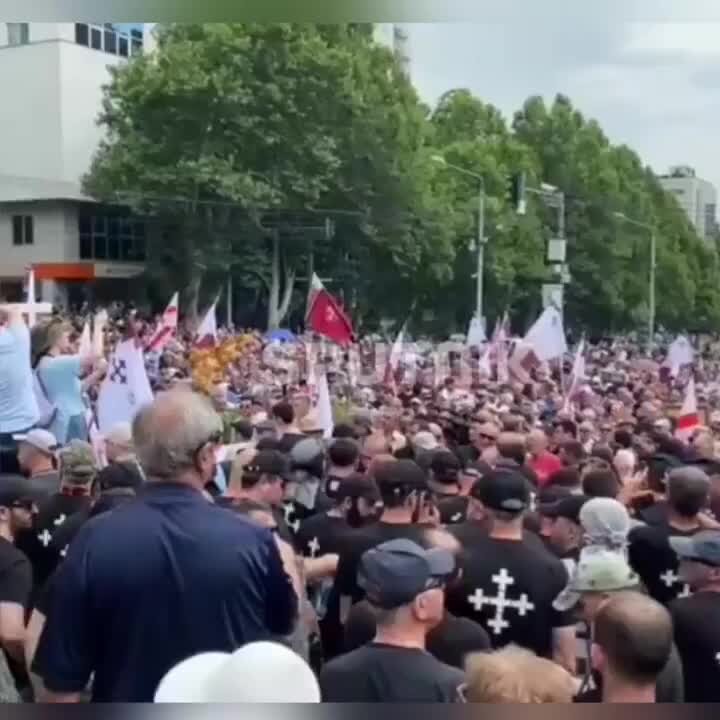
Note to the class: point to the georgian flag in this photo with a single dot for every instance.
(167, 328)
(326, 317)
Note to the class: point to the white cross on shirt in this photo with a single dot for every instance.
(313, 547)
(45, 537)
(498, 623)
(670, 578)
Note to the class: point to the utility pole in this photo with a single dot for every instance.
(481, 239)
(651, 278)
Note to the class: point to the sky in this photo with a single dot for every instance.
(649, 75)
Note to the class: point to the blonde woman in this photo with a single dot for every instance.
(515, 675)
(62, 378)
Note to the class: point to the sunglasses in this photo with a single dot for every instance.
(25, 504)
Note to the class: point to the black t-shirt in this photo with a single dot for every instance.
(509, 587)
(364, 540)
(40, 543)
(378, 673)
(652, 558)
(15, 575)
(450, 642)
(15, 587)
(322, 534)
(696, 621)
(289, 440)
(453, 509)
(655, 514)
(668, 687)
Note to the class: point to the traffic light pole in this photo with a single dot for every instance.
(551, 194)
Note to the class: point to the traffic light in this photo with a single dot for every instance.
(517, 193)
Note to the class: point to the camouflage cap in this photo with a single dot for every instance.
(77, 462)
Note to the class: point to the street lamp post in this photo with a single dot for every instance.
(651, 289)
(481, 239)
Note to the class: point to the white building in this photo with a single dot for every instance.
(395, 37)
(697, 197)
(52, 76)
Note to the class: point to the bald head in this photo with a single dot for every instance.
(375, 444)
(537, 442)
(634, 634)
(688, 490)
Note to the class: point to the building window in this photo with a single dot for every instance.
(23, 231)
(18, 33)
(82, 34)
(110, 41)
(96, 38)
(109, 38)
(111, 237)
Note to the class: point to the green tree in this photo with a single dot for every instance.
(237, 132)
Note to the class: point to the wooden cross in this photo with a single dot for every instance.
(30, 309)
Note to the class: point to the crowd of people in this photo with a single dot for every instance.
(468, 539)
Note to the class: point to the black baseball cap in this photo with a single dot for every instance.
(445, 466)
(397, 474)
(568, 507)
(354, 486)
(267, 462)
(14, 492)
(395, 573)
(505, 490)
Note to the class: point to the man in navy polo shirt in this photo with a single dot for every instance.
(163, 577)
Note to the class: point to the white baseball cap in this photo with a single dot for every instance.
(260, 672)
(42, 440)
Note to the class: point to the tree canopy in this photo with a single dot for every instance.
(264, 152)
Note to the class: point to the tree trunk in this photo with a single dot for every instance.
(192, 298)
(287, 295)
(273, 322)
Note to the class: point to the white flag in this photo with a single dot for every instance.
(547, 336)
(85, 346)
(688, 420)
(324, 406)
(126, 387)
(167, 327)
(680, 353)
(476, 333)
(206, 335)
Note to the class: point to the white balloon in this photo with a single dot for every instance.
(187, 682)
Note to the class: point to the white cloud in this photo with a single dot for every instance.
(654, 85)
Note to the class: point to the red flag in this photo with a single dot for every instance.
(326, 317)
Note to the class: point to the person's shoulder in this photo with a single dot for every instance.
(11, 556)
(347, 662)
